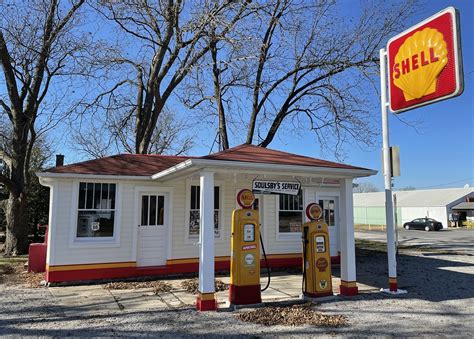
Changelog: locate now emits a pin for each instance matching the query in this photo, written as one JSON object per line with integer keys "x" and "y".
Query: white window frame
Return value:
{"x": 188, "y": 240}
{"x": 95, "y": 242}
{"x": 288, "y": 236}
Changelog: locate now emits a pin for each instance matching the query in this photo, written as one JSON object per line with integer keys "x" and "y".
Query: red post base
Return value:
{"x": 393, "y": 285}
{"x": 348, "y": 288}
{"x": 245, "y": 295}
{"x": 206, "y": 302}
{"x": 318, "y": 295}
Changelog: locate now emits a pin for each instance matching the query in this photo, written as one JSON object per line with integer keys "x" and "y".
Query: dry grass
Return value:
{"x": 157, "y": 286}
{"x": 296, "y": 315}
{"x": 12, "y": 272}
{"x": 192, "y": 285}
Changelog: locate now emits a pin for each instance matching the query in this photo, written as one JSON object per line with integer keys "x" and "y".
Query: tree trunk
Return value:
{"x": 16, "y": 241}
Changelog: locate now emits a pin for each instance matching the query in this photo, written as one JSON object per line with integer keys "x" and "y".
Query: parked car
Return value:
{"x": 426, "y": 224}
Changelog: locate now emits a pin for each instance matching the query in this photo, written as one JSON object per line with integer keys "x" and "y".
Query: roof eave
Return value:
{"x": 197, "y": 164}
{"x": 55, "y": 175}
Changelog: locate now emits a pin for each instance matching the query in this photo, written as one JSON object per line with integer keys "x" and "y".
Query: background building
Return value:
{"x": 369, "y": 208}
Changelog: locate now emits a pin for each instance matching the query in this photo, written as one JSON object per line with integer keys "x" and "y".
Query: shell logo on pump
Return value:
{"x": 425, "y": 62}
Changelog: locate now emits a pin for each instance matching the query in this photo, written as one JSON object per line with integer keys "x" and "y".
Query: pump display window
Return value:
{"x": 194, "y": 211}
{"x": 290, "y": 213}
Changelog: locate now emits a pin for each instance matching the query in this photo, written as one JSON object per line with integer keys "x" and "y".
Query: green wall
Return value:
{"x": 373, "y": 215}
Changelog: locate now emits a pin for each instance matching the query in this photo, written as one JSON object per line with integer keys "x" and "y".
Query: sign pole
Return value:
{"x": 392, "y": 260}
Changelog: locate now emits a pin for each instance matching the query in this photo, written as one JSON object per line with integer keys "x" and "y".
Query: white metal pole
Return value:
{"x": 392, "y": 260}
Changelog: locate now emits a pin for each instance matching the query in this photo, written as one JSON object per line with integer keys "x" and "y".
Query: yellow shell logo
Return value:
{"x": 418, "y": 63}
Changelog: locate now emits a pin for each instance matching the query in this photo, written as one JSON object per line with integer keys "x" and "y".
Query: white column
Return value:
{"x": 392, "y": 259}
{"x": 206, "y": 234}
{"x": 348, "y": 262}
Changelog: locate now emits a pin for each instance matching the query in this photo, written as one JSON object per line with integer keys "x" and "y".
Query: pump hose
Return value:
{"x": 266, "y": 265}
{"x": 305, "y": 241}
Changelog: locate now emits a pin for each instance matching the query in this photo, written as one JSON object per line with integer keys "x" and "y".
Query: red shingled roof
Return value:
{"x": 147, "y": 165}
{"x": 122, "y": 164}
{"x": 255, "y": 154}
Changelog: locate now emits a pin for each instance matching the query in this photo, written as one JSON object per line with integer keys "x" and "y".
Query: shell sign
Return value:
{"x": 425, "y": 62}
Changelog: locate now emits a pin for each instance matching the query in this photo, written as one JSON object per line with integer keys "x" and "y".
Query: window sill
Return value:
{"x": 288, "y": 236}
{"x": 94, "y": 243}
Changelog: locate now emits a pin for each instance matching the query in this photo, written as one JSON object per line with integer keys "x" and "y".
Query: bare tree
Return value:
{"x": 98, "y": 139}
{"x": 365, "y": 187}
{"x": 168, "y": 39}
{"x": 302, "y": 63}
{"x": 38, "y": 44}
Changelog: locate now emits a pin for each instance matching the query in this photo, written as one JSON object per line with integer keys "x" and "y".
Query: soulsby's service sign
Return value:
{"x": 275, "y": 187}
{"x": 425, "y": 62}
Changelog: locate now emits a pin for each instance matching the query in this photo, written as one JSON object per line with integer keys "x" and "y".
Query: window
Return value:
{"x": 194, "y": 212}
{"x": 153, "y": 207}
{"x": 329, "y": 212}
{"x": 290, "y": 214}
{"x": 96, "y": 210}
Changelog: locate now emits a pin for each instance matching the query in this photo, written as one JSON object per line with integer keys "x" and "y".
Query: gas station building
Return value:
{"x": 153, "y": 215}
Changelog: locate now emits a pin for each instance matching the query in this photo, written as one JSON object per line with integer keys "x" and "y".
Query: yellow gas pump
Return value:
{"x": 245, "y": 253}
{"x": 317, "y": 279}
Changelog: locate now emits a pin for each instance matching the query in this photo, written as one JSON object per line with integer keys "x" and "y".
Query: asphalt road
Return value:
{"x": 457, "y": 240}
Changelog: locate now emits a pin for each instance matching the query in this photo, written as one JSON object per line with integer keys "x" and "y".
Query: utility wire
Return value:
{"x": 449, "y": 183}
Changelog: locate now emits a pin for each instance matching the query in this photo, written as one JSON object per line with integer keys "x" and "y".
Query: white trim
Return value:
{"x": 188, "y": 240}
{"x": 83, "y": 177}
{"x": 52, "y": 228}
{"x": 99, "y": 242}
{"x": 264, "y": 168}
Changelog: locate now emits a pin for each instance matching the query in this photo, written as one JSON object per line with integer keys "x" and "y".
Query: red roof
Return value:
{"x": 148, "y": 164}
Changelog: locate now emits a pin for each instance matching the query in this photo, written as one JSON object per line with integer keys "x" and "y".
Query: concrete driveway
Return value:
{"x": 455, "y": 240}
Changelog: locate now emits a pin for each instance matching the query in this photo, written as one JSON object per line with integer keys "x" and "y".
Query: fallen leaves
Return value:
{"x": 296, "y": 315}
{"x": 157, "y": 286}
{"x": 192, "y": 285}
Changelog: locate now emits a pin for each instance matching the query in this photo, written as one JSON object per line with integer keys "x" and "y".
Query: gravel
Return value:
{"x": 439, "y": 303}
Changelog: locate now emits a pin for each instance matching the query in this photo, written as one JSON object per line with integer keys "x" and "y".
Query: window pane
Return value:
{"x": 216, "y": 197}
{"x": 104, "y": 201}
{"x": 90, "y": 196}
{"x": 82, "y": 195}
{"x": 290, "y": 222}
{"x": 161, "y": 210}
{"x": 97, "y": 196}
{"x": 194, "y": 223}
{"x": 194, "y": 197}
{"x": 95, "y": 224}
{"x": 112, "y": 196}
{"x": 152, "y": 210}
{"x": 216, "y": 224}
{"x": 144, "y": 210}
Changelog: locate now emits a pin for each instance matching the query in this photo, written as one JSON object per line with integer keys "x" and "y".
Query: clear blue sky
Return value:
{"x": 437, "y": 153}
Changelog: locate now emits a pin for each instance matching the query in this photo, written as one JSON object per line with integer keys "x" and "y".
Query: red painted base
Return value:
{"x": 318, "y": 295}
{"x": 393, "y": 287}
{"x": 245, "y": 295}
{"x": 206, "y": 305}
{"x": 348, "y": 291}
{"x": 170, "y": 269}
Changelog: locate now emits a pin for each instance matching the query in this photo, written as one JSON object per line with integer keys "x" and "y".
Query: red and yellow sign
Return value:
{"x": 425, "y": 62}
{"x": 314, "y": 211}
{"x": 245, "y": 198}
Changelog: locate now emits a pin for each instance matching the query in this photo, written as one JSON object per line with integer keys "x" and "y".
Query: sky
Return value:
{"x": 438, "y": 152}
{"x": 436, "y": 141}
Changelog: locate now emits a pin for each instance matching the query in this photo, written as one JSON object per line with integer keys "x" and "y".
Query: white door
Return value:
{"x": 330, "y": 206}
{"x": 152, "y": 229}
